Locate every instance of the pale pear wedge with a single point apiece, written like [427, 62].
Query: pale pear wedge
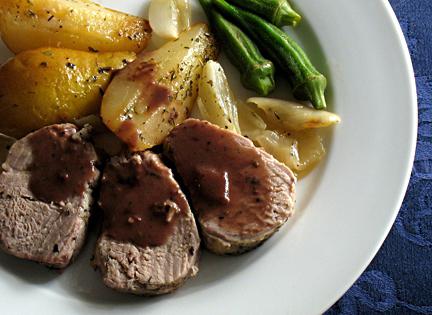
[156, 92]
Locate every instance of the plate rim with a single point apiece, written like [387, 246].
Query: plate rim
[412, 91]
[407, 67]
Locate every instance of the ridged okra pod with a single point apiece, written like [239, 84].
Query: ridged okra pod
[307, 83]
[277, 12]
[257, 73]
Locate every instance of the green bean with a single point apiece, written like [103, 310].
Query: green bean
[278, 12]
[257, 73]
[307, 83]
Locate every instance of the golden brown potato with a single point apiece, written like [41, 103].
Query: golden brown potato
[156, 92]
[75, 24]
[51, 85]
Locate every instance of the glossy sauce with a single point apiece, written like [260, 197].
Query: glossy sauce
[128, 132]
[156, 93]
[62, 164]
[141, 201]
[152, 95]
[225, 176]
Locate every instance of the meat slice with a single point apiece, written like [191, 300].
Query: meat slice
[150, 243]
[240, 194]
[46, 195]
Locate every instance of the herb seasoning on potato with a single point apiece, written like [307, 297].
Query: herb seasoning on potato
[52, 85]
[75, 24]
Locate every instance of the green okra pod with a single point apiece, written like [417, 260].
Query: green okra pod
[257, 73]
[307, 83]
[278, 12]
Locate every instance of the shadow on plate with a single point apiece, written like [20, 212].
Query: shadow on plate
[26, 270]
[81, 281]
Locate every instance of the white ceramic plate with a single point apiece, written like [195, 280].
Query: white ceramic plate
[345, 208]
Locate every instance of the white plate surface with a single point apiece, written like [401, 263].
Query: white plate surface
[345, 208]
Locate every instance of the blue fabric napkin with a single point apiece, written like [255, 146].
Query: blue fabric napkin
[399, 279]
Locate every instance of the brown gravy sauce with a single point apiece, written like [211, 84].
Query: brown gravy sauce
[62, 165]
[156, 93]
[153, 93]
[224, 175]
[128, 133]
[141, 201]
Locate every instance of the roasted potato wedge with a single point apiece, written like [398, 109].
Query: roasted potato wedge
[157, 91]
[75, 24]
[52, 85]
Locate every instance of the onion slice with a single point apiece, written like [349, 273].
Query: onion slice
[168, 18]
[216, 102]
[286, 115]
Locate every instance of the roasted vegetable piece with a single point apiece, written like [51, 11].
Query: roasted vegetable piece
[300, 151]
[75, 24]
[290, 116]
[216, 102]
[249, 120]
[257, 73]
[168, 18]
[53, 85]
[156, 92]
[307, 83]
[278, 12]
[282, 147]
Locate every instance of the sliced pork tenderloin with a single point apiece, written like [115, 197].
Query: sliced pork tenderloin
[150, 243]
[46, 194]
[240, 194]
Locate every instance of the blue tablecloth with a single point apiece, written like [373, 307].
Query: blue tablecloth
[399, 279]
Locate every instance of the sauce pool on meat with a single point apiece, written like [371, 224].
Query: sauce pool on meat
[62, 164]
[225, 177]
[141, 201]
